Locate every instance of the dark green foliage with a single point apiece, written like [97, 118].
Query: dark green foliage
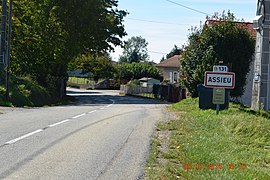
[175, 51]
[25, 92]
[48, 34]
[222, 40]
[99, 66]
[139, 70]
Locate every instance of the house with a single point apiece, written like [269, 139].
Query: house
[170, 69]
[145, 81]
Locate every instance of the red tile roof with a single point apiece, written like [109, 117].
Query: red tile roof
[246, 25]
[171, 62]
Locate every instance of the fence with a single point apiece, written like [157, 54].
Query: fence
[167, 92]
[133, 90]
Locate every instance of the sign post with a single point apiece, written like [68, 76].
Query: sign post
[219, 79]
[218, 97]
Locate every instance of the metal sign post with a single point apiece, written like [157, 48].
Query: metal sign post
[219, 79]
[218, 97]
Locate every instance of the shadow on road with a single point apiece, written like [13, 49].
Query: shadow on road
[73, 93]
[102, 97]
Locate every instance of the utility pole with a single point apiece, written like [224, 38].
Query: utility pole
[3, 33]
[261, 85]
[8, 50]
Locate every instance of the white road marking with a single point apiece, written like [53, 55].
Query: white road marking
[23, 137]
[58, 123]
[53, 125]
[92, 112]
[113, 102]
[75, 117]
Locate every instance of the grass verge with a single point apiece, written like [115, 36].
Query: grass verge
[202, 145]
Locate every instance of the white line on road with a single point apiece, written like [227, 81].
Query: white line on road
[52, 125]
[23, 137]
[58, 123]
[92, 112]
[113, 102]
[75, 117]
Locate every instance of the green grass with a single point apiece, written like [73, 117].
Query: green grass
[206, 140]
[78, 80]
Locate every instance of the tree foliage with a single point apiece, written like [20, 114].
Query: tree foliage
[98, 66]
[175, 51]
[222, 40]
[135, 50]
[139, 70]
[48, 34]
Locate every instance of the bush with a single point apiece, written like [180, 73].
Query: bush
[26, 92]
[222, 40]
[138, 70]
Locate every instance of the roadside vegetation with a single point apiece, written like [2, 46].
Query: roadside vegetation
[24, 91]
[80, 80]
[199, 144]
[220, 39]
[48, 35]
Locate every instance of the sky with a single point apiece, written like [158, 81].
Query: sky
[165, 23]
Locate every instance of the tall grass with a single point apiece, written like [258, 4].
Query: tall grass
[203, 145]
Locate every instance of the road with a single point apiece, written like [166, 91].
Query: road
[101, 136]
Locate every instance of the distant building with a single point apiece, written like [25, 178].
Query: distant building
[145, 81]
[170, 69]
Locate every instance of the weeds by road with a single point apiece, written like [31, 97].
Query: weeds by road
[202, 145]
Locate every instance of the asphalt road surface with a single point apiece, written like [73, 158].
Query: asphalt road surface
[101, 136]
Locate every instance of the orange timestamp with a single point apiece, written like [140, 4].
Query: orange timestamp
[212, 166]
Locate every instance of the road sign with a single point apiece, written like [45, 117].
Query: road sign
[220, 69]
[219, 80]
[218, 96]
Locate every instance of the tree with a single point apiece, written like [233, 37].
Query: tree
[135, 50]
[139, 70]
[175, 51]
[98, 66]
[48, 34]
[37, 42]
[221, 40]
[162, 59]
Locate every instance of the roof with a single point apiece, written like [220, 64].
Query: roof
[171, 62]
[246, 25]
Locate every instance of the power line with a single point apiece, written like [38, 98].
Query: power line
[158, 22]
[198, 11]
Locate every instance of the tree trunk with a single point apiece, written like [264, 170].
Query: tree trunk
[61, 82]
